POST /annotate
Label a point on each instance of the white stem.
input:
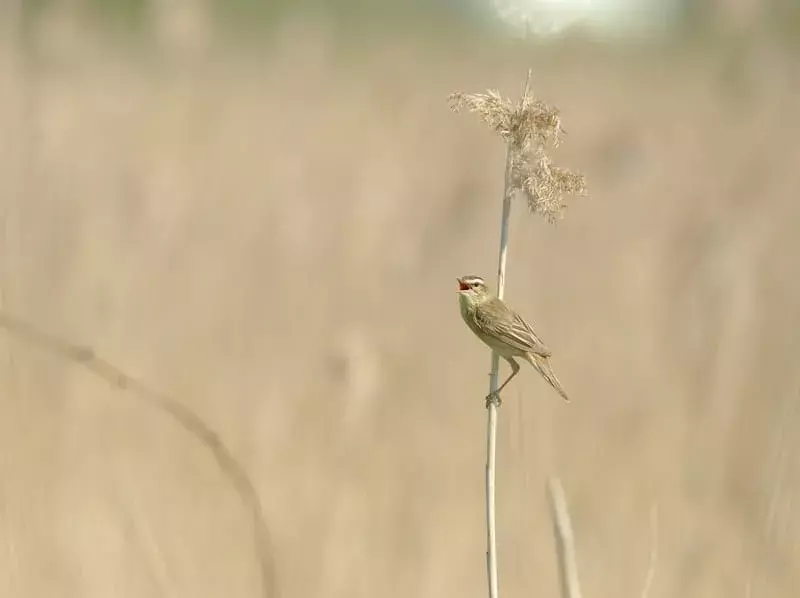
(501, 265)
(491, 445)
(491, 427)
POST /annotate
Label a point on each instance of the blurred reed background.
(261, 208)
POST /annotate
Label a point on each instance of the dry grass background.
(272, 238)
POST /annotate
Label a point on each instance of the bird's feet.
(493, 398)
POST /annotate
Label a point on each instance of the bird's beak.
(461, 285)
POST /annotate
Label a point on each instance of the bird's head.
(473, 289)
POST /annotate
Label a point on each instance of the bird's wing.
(496, 319)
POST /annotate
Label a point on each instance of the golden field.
(271, 236)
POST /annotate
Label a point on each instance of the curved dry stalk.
(565, 540)
(184, 416)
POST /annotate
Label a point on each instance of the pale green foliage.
(530, 128)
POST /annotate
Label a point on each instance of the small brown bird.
(504, 331)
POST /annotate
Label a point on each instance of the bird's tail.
(542, 365)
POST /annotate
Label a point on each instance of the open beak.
(461, 285)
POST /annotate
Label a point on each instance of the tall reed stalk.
(529, 128)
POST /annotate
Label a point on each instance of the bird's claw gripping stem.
(493, 398)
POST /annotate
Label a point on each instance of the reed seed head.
(530, 128)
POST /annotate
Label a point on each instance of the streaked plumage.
(504, 331)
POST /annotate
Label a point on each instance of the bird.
(504, 331)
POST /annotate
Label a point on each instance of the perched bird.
(504, 331)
